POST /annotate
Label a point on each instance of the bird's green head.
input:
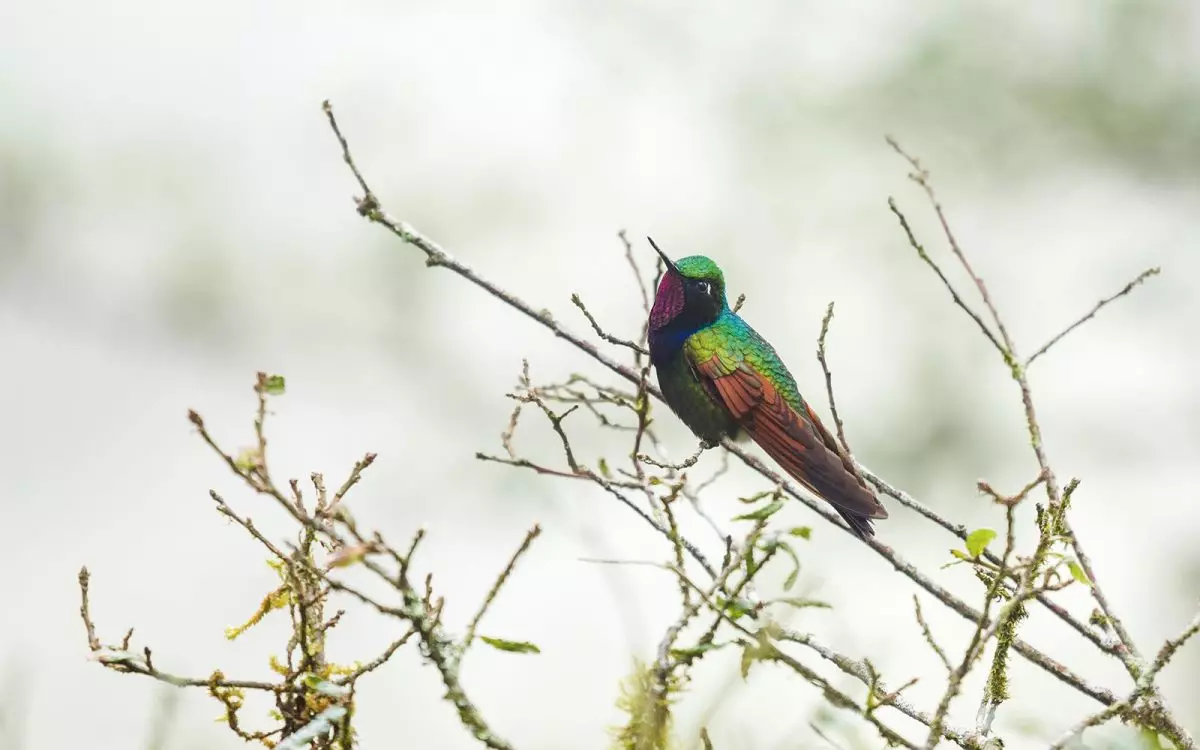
(691, 294)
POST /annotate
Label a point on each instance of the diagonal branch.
(924, 255)
(1092, 313)
(1141, 690)
(837, 418)
(1128, 652)
(436, 256)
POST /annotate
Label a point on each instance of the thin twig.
(1092, 313)
(125, 660)
(602, 333)
(837, 419)
(1142, 689)
(979, 638)
(378, 661)
(686, 463)
(495, 589)
(929, 635)
(921, 177)
(858, 670)
(355, 476)
(85, 609)
(912, 240)
(839, 699)
(247, 524)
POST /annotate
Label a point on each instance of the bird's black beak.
(670, 265)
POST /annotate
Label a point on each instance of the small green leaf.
(801, 603)
(275, 385)
(804, 532)
(247, 459)
(747, 660)
(756, 497)
(604, 470)
(1077, 573)
(978, 540)
(1150, 740)
(756, 650)
(697, 650)
(959, 556)
(790, 581)
(516, 647)
(762, 513)
(736, 608)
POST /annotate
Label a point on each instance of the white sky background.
(177, 216)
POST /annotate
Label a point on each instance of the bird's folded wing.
(797, 441)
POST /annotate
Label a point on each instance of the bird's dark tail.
(859, 524)
(810, 455)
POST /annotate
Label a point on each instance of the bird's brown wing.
(796, 440)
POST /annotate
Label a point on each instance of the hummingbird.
(722, 379)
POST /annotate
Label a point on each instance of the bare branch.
(912, 240)
(929, 635)
(686, 463)
(602, 334)
(837, 419)
(1143, 688)
(1092, 313)
(859, 671)
(355, 475)
(921, 177)
(495, 589)
(840, 700)
(663, 664)
(122, 659)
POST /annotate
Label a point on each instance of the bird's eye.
(704, 287)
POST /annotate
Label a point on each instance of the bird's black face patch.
(702, 302)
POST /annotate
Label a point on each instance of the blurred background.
(175, 215)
